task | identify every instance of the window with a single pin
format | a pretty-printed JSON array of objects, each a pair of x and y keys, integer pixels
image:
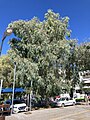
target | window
[
  {"x": 67, "y": 99},
  {"x": 18, "y": 101}
]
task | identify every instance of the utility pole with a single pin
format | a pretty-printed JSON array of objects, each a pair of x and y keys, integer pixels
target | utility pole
[
  {"x": 13, "y": 85},
  {"x": 31, "y": 97}
]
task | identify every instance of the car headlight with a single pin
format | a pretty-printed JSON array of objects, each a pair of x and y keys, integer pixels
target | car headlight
[{"x": 14, "y": 107}]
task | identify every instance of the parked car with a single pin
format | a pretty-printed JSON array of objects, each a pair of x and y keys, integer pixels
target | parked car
[
  {"x": 18, "y": 105},
  {"x": 79, "y": 97},
  {"x": 40, "y": 104},
  {"x": 65, "y": 101}
]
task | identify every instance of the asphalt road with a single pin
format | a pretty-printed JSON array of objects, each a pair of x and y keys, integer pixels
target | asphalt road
[{"x": 77, "y": 112}]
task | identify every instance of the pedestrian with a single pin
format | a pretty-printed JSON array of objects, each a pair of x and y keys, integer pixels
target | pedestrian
[{"x": 86, "y": 100}]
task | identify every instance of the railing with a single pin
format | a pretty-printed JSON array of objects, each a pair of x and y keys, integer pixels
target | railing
[{"x": 5, "y": 110}]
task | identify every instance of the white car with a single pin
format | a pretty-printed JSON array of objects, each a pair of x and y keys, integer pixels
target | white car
[
  {"x": 65, "y": 101},
  {"x": 18, "y": 105}
]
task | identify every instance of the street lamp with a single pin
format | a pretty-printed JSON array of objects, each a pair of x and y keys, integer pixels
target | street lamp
[{"x": 8, "y": 32}]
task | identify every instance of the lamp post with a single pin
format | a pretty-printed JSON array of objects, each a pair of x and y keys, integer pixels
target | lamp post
[{"x": 8, "y": 32}]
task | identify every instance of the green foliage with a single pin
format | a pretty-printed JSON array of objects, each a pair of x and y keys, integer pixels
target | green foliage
[
  {"x": 6, "y": 71},
  {"x": 44, "y": 55},
  {"x": 84, "y": 56}
]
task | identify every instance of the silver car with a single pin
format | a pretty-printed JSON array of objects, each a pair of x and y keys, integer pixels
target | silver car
[{"x": 65, "y": 101}]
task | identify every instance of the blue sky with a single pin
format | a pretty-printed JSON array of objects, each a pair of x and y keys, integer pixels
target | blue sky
[{"x": 77, "y": 10}]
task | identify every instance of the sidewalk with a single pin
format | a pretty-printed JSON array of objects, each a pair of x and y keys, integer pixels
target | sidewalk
[{"x": 83, "y": 103}]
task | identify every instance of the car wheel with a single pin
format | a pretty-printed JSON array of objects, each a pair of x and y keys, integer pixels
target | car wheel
[
  {"x": 62, "y": 105},
  {"x": 15, "y": 111},
  {"x": 26, "y": 109},
  {"x": 73, "y": 103}
]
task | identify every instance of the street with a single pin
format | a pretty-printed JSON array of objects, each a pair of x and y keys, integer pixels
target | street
[{"x": 77, "y": 112}]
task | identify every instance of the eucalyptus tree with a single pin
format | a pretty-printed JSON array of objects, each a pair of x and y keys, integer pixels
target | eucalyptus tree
[{"x": 41, "y": 48}]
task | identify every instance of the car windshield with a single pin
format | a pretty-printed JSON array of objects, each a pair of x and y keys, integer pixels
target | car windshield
[
  {"x": 61, "y": 99},
  {"x": 8, "y": 102},
  {"x": 18, "y": 101}
]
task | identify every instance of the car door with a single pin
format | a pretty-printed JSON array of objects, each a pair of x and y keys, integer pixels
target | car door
[
  {"x": 67, "y": 102},
  {"x": 70, "y": 101}
]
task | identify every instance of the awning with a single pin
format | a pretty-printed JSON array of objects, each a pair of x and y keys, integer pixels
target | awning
[{"x": 10, "y": 90}]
